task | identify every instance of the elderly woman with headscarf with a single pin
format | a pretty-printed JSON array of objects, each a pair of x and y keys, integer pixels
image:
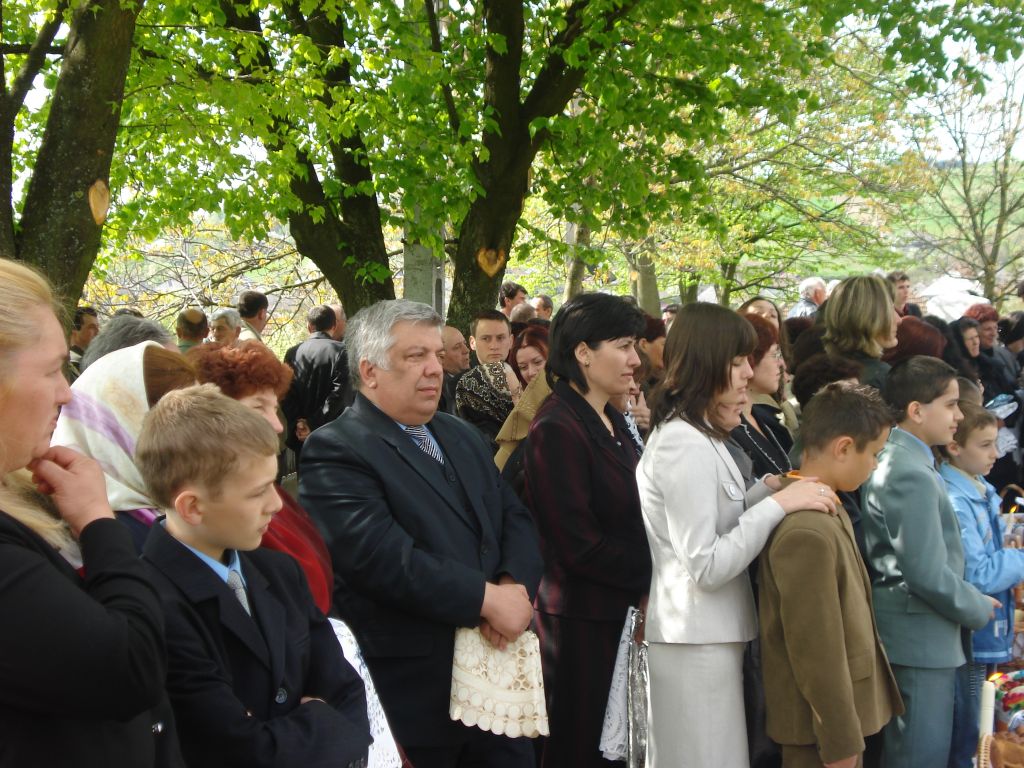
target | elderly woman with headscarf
[
  {"x": 485, "y": 397},
  {"x": 104, "y": 418}
]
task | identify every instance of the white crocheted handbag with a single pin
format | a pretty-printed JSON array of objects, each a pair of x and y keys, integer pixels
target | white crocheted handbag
[{"x": 498, "y": 691}]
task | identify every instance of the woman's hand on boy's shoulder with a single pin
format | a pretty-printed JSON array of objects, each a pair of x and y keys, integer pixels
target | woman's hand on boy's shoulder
[{"x": 807, "y": 494}]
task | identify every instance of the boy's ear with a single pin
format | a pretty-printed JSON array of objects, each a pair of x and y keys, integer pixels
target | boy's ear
[
  {"x": 953, "y": 448},
  {"x": 842, "y": 447},
  {"x": 187, "y": 507},
  {"x": 914, "y": 412}
]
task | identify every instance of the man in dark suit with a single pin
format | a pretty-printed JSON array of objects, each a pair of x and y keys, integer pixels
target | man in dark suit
[
  {"x": 424, "y": 535},
  {"x": 455, "y": 362},
  {"x": 320, "y": 390},
  {"x": 255, "y": 673}
]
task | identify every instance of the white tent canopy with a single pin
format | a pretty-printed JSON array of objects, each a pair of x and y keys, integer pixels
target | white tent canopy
[{"x": 950, "y": 295}]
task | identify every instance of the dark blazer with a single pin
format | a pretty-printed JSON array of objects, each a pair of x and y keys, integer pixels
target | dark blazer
[
  {"x": 447, "y": 402},
  {"x": 320, "y": 390},
  {"x": 81, "y": 659},
  {"x": 236, "y": 681},
  {"x": 413, "y": 544},
  {"x": 581, "y": 488}
]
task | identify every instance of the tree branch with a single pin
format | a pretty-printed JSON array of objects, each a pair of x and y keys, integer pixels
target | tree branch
[
  {"x": 36, "y": 56},
  {"x": 446, "y": 91},
  {"x": 557, "y": 81}
]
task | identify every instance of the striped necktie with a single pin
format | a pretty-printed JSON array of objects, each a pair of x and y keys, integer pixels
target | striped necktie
[{"x": 421, "y": 436}]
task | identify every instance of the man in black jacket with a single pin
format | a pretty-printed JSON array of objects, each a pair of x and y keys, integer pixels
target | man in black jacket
[
  {"x": 424, "y": 535},
  {"x": 320, "y": 390}
]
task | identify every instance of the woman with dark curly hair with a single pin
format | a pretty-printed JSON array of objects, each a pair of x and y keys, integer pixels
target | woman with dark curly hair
[{"x": 915, "y": 337}]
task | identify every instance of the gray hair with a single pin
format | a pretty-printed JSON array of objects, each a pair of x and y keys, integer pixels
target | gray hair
[
  {"x": 370, "y": 337},
  {"x": 809, "y": 285},
  {"x": 230, "y": 314},
  {"x": 123, "y": 331}
]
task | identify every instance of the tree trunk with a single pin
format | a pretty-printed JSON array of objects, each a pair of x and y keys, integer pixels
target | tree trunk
[
  {"x": 689, "y": 286},
  {"x": 485, "y": 241},
  {"x": 424, "y": 275},
  {"x": 346, "y": 238},
  {"x": 575, "y": 235},
  {"x": 647, "y": 295},
  {"x": 328, "y": 244},
  {"x": 59, "y": 232}
]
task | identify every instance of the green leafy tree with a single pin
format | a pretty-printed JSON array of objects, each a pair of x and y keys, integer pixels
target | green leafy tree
[{"x": 61, "y": 153}]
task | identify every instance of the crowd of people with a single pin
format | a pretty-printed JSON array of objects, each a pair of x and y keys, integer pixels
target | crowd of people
[{"x": 213, "y": 557}]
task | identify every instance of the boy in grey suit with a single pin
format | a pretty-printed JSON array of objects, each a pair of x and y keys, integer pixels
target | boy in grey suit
[{"x": 921, "y": 599}]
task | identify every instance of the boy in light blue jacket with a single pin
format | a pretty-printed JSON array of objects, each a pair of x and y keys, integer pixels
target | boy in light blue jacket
[{"x": 989, "y": 567}]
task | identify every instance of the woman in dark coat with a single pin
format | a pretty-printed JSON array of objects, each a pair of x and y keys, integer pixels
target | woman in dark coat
[
  {"x": 81, "y": 654},
  {"x": 581, "y": 487}
]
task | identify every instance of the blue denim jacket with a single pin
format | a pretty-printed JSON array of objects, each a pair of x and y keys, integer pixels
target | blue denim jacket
[{"x": 991, "y": 568}]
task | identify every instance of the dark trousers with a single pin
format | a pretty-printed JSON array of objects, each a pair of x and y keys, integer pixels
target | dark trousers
[
  {"x": 579, "y": 658},
  {"x": 480, "y": 750}
]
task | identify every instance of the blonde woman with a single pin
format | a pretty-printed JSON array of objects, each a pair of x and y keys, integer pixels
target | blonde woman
[
  {"x": 860, "y": 324},
  {"x": 81, "y": 654}
]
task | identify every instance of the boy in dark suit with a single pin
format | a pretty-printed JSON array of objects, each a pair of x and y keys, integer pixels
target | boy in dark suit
[
  {"x": 828, "y": 684},
  {"x": 255, "y": 674}
]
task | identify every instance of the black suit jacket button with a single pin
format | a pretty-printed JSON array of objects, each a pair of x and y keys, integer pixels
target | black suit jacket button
[
  {"x": 484, "y": 550},
  {"x": 158, "y": 727},
  {"x": 282, "y": 696}
]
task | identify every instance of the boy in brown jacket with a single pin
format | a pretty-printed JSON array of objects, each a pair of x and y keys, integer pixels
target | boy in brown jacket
[{"x": 828, "y": 684}]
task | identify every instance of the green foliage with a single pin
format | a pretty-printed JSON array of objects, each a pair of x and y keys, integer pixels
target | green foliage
[{"x": 736, "y": 127}]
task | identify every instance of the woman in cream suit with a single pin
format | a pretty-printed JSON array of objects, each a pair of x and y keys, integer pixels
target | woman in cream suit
[{"x": 704, "y": 528}]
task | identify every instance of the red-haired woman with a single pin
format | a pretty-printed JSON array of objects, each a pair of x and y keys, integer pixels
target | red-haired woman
[
  {"x": 760, "y": 433},
  {"x": 252, "y": 375},
  {"x": 915, "y": 337},
  {"x": 529, "y": 353}
]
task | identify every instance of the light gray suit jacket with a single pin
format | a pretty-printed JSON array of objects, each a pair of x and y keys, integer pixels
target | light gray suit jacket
[
  {"x": 704, "y": 528},
  {"x": 916, "y": 560}
]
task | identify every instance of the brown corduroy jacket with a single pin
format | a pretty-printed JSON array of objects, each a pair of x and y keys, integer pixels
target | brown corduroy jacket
[{"x": 827, "y": 679}]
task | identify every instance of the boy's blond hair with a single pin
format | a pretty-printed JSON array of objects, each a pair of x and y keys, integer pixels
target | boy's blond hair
[{"x": 198, "y": 436}]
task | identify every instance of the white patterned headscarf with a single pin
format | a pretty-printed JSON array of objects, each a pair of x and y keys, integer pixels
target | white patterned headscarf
[{"x": 103, "y": 421}]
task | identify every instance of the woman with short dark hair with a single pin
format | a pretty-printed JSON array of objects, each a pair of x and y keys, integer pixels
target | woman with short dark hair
[
  {"x": 581, "y": 487},
  {"x": 705, "y": 528}
]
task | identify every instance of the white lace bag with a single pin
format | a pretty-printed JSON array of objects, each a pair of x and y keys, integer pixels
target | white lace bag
[{"x": 498, "y": 691}]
